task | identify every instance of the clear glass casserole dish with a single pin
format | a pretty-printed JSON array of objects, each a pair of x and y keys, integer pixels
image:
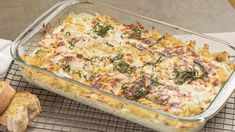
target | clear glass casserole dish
[{"x": 119, "y": 106}]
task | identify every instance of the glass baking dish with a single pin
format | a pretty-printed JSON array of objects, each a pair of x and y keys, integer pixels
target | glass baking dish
[{"x": 26, "y": 42}]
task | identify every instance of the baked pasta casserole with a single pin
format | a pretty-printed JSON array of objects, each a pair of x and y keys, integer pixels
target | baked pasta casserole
[{"x": 128, "y": 60}]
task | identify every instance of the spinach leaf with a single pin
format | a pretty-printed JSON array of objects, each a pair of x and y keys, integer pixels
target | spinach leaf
[
  {"x": 118, "y": 57},
  {"x": 136, "y": 33},
  {"x": 102, "y": 30},
  {"x": 123, "y": 67},
  {"x": 188, "y": 75}
]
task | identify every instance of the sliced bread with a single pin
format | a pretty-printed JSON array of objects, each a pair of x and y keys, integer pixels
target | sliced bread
[
  {"x": 23, "y": 108},
  {"x": 6, "y": 95}
]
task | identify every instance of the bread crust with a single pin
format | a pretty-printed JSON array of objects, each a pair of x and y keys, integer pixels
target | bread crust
[{"x": 6, "y": 95}]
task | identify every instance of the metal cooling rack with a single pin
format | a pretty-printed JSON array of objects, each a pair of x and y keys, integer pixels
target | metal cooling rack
[{"x": 62, "y": 114}]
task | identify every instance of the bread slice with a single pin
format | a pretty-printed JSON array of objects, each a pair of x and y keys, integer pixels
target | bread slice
[
  {"x": 6, "y": 95},
  {"x": 23, "y": 108}
]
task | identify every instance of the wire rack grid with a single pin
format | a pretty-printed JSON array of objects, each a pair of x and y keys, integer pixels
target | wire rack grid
[{"x": 62, "y": 114}]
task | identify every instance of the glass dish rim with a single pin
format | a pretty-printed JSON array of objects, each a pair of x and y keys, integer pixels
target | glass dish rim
[{"x": 57, "y": 8}]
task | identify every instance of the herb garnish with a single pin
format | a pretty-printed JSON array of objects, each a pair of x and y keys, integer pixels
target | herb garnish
[
  {"x": 39, "y": 52},
  {"x": 102, "y": 30},
  {"x": 155, "y": 81},
  {"x": 67, "y": 34},
  {"x": 79, "y": 74},
  {"x": 153, "y": 63},
  {"x": 118, "y": 57},
  {"x": 167, "y": 55},
  {"x": 160, "y": 59},
  {"x": 67, "y": 68},
  {"x": 92, "y": 60},
  {"x": 137, "y": 90},
  {"x": 202, "y": 68},
  {"x": 188, "y": 75},
  {"x": 72, "y": 43},
  {"x": 64, "y": 65},
  {"x": 191, "y": 74},
  {"x": 107, "y": 43},
  {"x": 88, "y": 33},
  {"x": 159, "y": 99},
  {"x": 161, "y": 38},
  {"x": 136, "y": 33},
  {"x": 123, "y": 67}
]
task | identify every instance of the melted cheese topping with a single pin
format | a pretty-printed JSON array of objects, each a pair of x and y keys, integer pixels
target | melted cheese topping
[{"x": 129, "y": 61}]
